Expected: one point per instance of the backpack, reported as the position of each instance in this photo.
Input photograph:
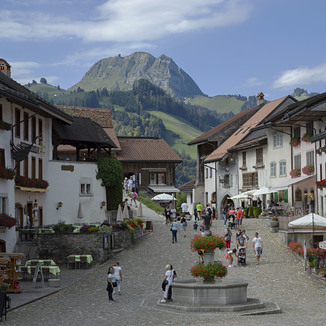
(209, 211)
(241, 241)
(135, 195)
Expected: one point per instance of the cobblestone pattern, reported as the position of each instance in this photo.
(279, 277)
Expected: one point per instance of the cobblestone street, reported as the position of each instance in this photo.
(279, 278)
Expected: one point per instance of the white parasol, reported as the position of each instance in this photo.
(164, 197)
(119, 214)
(125, 213)
(140, 210)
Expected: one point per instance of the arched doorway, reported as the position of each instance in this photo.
(3, 246)
(226, 201)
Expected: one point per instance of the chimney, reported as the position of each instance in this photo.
(5, 67)
(260, 98)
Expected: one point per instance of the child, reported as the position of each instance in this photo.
(195, 226)
(202, 231)
(201, 256)
(229, 256)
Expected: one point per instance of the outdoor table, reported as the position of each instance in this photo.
(78, 261)
(47, 265)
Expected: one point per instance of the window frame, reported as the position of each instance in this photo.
(278, 140)
(259, 156)
(282, 162)
(273, 168)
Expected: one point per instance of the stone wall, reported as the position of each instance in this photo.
(60, 245)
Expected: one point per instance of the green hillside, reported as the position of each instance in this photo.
(183, 129)
(219, 103)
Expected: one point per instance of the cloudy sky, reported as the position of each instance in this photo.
(226, 46)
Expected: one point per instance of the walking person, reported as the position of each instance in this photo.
(224, 212)
(183, 225)
(117, 276)
(257, 245)
(173, 213)
(227, 238)
(134, 195)
(168, 278)
(239, 217)
(110, 286)
(198, 209)
(184, 208)
(167, 214)
(174, 229)
(195, 226)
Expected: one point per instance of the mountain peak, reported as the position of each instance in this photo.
(120, 73)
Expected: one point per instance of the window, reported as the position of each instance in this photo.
(17, 120)
(278, 140)
(310, 127)
(259, 156)
(297, 161)
(26, 167)
(298, 195)
(85, 187)
(40, 168)
(33, 167)
(157, 178)
(250, 179)
(210, 172)
(2, 158)
(273, 169)
(40, 130)
(1, 112)
(26, 124)
(297, 132)
(282, 168)
(4, 205)
(206, 172)
(33, 128)
(228, 181)
(244, 159)
(310, 158)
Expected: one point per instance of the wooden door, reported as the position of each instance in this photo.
(30, 212)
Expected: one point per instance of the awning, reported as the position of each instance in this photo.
(32, 189)
(166, 189)
(290, 182)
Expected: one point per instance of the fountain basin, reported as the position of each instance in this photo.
(221, 292)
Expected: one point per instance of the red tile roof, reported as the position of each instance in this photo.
(206, 136)
(188, 186)
(146, 149)
(244, 130)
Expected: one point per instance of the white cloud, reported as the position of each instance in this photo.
(301, 76)
(126, 20)
(253, 81)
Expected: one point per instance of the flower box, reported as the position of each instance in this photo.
(7, 173)
(31, 183)
(7, 221)
(308, 170)
(306, 137)
(321, 183)
(209, 271)
(5, 125)
(295, 142)
(295, 173)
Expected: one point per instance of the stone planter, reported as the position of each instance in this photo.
(274, 224)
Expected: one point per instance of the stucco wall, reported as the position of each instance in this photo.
(64, 186)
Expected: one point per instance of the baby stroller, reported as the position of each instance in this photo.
(242, 256)
(231, 222)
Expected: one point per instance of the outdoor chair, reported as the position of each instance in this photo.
(72, 263)
(83, 262)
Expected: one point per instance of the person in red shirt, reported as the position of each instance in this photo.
(239, 217)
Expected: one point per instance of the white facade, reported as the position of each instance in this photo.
(74, 184)
(7, 197)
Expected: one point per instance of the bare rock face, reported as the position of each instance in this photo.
(120, 73)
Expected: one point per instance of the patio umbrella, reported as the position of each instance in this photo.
(262, 191)
(140, 210)
(125, 213)
(164, 197)
(80, 213)
(119, 214)
(240, 196)
(309, 221)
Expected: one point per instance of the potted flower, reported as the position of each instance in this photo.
(207, 243)
(306, 137)
(308, 170)
(274, 222)
(321, 183)
(5, 125)
(7, 173)
(209, 271)
(7, 221)
(295, 141)
(295, 173)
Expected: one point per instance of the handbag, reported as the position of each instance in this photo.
(164, 284)
(115, 284)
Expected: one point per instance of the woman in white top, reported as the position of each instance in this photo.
(168, 277)
(111, 280)
(117, 276)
